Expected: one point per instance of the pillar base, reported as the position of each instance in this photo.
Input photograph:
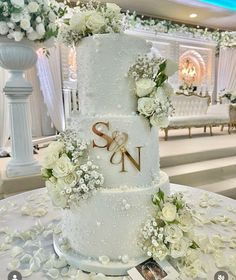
(16, 170)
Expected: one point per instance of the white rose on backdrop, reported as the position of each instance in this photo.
(94, 21)
(25, 24)
(38, 19)
(77, 22)
(144, 87)
(33, 35)
(52, 16)
(63, 167)
(11, 24)
(169, 212)
(55, 193)
(179, 249)
(40, 29)
(3, 28)
(68, 181)
(173, 233)
(159, 120)
(17, 35)
(185, 220)
(171, 67)
(56, 147)
(113, 7)
(146, 106)
(18, 3)
(33, 7)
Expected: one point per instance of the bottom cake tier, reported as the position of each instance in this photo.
(103, 231)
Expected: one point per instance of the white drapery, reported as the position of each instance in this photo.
(4, 118)
(51, 85)
(227, 69)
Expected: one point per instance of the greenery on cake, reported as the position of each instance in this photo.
(88, 19)
(69, 173)
(35, 20)
(152, 89)
(168, 234)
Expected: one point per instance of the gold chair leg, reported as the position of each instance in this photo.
(189, 132)
(222, 127)
(205, 128)
(229, 128)
(166, 134)
(211, 130)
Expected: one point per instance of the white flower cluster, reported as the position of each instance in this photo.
(70, 176)
(89, 19)
(228, 39)
(167, 234)
(152, 89)
(31, 19)
(229, 94)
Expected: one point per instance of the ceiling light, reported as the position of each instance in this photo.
(193, 15)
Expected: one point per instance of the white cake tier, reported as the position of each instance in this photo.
(103, 62)
(140, 162)
(109, 223)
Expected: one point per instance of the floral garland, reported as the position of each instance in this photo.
(152, 89)
(230, 95)
(31, 19)
(223, 39)
(89, 19)
(168, 233)
(70, 175)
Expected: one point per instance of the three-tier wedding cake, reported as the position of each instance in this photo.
(103, 230)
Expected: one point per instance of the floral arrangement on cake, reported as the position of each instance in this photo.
(168, 233)
(70, 175)
(31, 19)
(88, 19)
(152, 89)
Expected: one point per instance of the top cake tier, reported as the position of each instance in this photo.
(103, 62)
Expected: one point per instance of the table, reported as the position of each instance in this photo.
(31, 214)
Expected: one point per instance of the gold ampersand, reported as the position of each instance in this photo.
(116, 144)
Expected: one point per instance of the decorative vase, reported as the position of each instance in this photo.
(16, 57)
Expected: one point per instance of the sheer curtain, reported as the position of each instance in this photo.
(4, 118)
(227, 69)
(49, 72)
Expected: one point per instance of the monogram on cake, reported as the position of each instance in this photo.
(104, 229)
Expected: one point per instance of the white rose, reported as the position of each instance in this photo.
(38, 19)
(146, 106)
(25, 24)
(144, 87)
(192, 270)
(171, 67)
(3, 28)
(192, 255)
(173, 233)
(94, 21)
(33, 7)
(63, 167)
(113, 7)
(159, 120)
(11, 24)
(168, 89)
(16, 17)
(77, 22)
(185, 220)
(179, 249)
(50, 159)
(40, 29)
(17, 35)
(52, 16)
(33, 35)
(18, 3)
(68, 181)
(58, 199)
(56, 147)
(161, 251)
(169, 212)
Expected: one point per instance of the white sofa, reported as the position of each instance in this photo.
(196, 111)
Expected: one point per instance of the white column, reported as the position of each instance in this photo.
(17, 57)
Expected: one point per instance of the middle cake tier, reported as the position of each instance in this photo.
(124, 147)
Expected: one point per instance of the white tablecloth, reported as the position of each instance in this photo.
(33, 211)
